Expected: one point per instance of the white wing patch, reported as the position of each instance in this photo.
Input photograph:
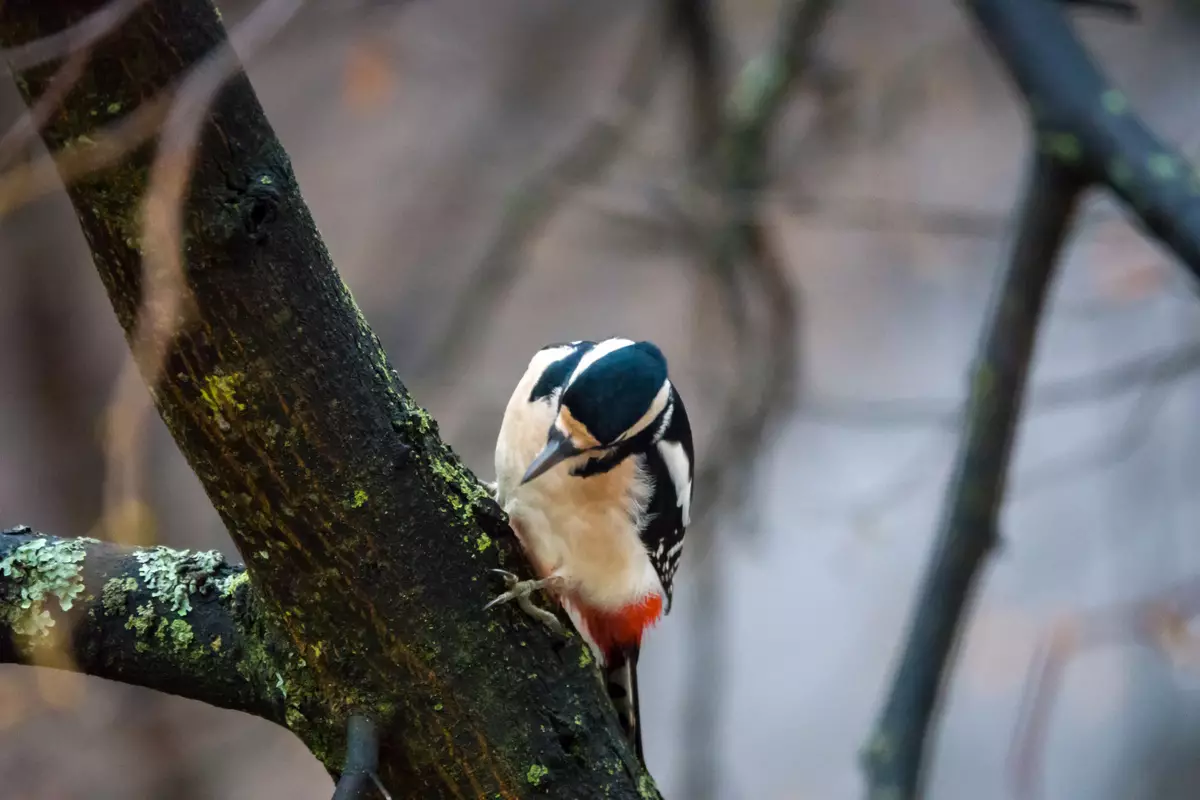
(679, 468)
(596, 353)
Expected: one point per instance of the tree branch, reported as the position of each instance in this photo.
(1090, 125)
(367, 539)
(894, 755)
(181, 622)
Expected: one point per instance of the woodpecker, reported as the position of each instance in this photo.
(594, 468)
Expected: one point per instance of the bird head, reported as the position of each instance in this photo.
(618, 388)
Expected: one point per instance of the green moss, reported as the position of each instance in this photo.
(535, 774)
(983, 383)
(229, 586)
(140, 620)
(1114, 102)
(114, 599)
(215, 644)
(1063, 146)
(220, 394)
(438, 706)
(483, 542)
(1120, 173)
(172, 576)
(585, 656)
(180, 634)
(646, 787)
(294, 718)
(1163, 166)
(425, 422)
(360, 497)
(463, 492)
(41, 569)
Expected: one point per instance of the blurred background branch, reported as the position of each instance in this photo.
(894, 754)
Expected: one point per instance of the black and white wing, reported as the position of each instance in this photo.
(670, 462)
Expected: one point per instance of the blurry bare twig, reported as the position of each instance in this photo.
(737, 260)
(894, 756)
(25, 130)
(1151, 369)
(78, 38)
(1159, 622)
(533, 204)
(740, 258)
(1086, 133)
(360, 777)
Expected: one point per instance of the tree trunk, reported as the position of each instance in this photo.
(367, 540)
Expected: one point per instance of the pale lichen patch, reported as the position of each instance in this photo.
(172, 576)
(42, 569)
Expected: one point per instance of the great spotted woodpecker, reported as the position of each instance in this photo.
(594, 468)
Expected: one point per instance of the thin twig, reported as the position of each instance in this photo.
(741, 263)
(25, 130)
(533, 204)
(360, 772)
(1150, 369)
(81, 36)
(894, 756)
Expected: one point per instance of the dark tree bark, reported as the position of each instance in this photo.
(366, 540)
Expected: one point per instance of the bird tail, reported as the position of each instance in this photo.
(621, 681)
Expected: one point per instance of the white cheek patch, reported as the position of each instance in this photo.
(680, 468)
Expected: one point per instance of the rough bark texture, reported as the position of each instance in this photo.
(367, 539)
(174, 620)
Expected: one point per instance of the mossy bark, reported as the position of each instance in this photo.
(366, 538)
(173, 620)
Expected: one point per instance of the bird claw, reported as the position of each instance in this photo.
(520, 591)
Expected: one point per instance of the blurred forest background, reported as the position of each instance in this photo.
(421, 132)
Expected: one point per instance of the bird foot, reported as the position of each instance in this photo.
(520, 591)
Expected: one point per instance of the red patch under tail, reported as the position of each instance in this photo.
(613, 630)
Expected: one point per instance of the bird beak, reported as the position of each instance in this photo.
(557, 449)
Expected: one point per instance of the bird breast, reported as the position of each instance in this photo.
(586, 530)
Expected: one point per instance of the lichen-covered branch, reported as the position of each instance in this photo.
(177, 621)
(894, 755)
(366, 538)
